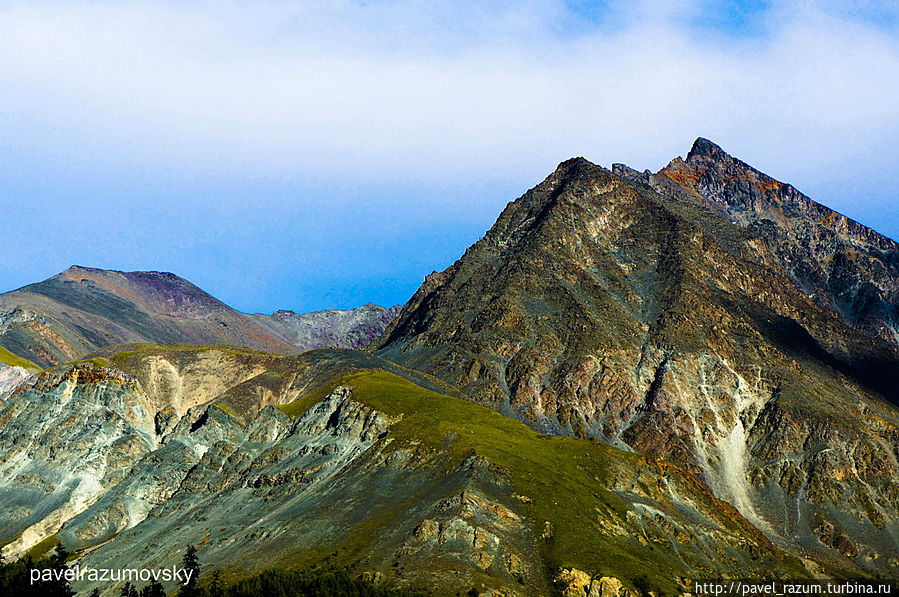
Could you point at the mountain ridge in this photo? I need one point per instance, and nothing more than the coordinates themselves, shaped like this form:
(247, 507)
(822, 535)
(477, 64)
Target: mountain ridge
(329, 328)
(82, 309)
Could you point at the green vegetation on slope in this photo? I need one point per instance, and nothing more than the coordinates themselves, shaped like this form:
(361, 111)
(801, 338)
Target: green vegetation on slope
(44, 547)
(8, 358)
(146, 349)
(565, 479)
(95, 361)
(308, 583)
(298, 408)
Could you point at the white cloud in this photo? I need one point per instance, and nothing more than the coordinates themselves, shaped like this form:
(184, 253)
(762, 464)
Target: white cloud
(431, 92)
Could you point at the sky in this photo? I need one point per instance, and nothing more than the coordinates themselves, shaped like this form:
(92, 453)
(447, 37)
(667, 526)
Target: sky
(312, 155)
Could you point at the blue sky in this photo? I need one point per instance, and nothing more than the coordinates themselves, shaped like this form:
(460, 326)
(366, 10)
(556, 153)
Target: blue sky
(325, 154)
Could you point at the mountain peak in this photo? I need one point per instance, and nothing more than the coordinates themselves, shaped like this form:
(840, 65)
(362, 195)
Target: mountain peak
(574, 164)
(76, 269)
(597, 308)
(98, 271)
(824, 253)
(702, 147)
(84, 308)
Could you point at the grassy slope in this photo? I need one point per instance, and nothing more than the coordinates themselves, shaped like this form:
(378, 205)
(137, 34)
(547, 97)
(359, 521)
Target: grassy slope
(8, 358)
(123, 353)
(565, 478)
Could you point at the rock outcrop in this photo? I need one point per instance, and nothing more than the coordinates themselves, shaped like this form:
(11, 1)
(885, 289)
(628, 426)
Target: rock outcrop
(576, 583)
(10, 377)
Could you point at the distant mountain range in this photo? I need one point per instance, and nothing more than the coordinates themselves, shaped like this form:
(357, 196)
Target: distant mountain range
(353, 328)
(634, 379)
(83, 309)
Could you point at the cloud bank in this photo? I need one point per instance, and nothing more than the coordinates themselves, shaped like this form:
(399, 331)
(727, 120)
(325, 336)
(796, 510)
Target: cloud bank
(309, 155)
(429, 90)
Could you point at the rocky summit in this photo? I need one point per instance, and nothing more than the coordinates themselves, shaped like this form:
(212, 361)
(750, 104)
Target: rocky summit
(836, 261)
(632, 381)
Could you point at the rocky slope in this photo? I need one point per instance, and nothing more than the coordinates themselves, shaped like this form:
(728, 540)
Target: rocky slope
(839, 263)
(83, 309)
(353, 328)
(10, 377)
(366, 470)
(657, 321)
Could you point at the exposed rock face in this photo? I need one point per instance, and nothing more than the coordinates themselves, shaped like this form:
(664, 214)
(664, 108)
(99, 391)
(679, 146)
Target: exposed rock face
(83, 309)
(10, 377)
(598, 306)
(576, 583)
(354, 328)
(840, 263)
(66, 437)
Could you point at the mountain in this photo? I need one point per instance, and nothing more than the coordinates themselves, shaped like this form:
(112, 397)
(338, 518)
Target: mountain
(337, 458)
(11, 360)
(689, 315)
(81, 310)
(353, 328)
